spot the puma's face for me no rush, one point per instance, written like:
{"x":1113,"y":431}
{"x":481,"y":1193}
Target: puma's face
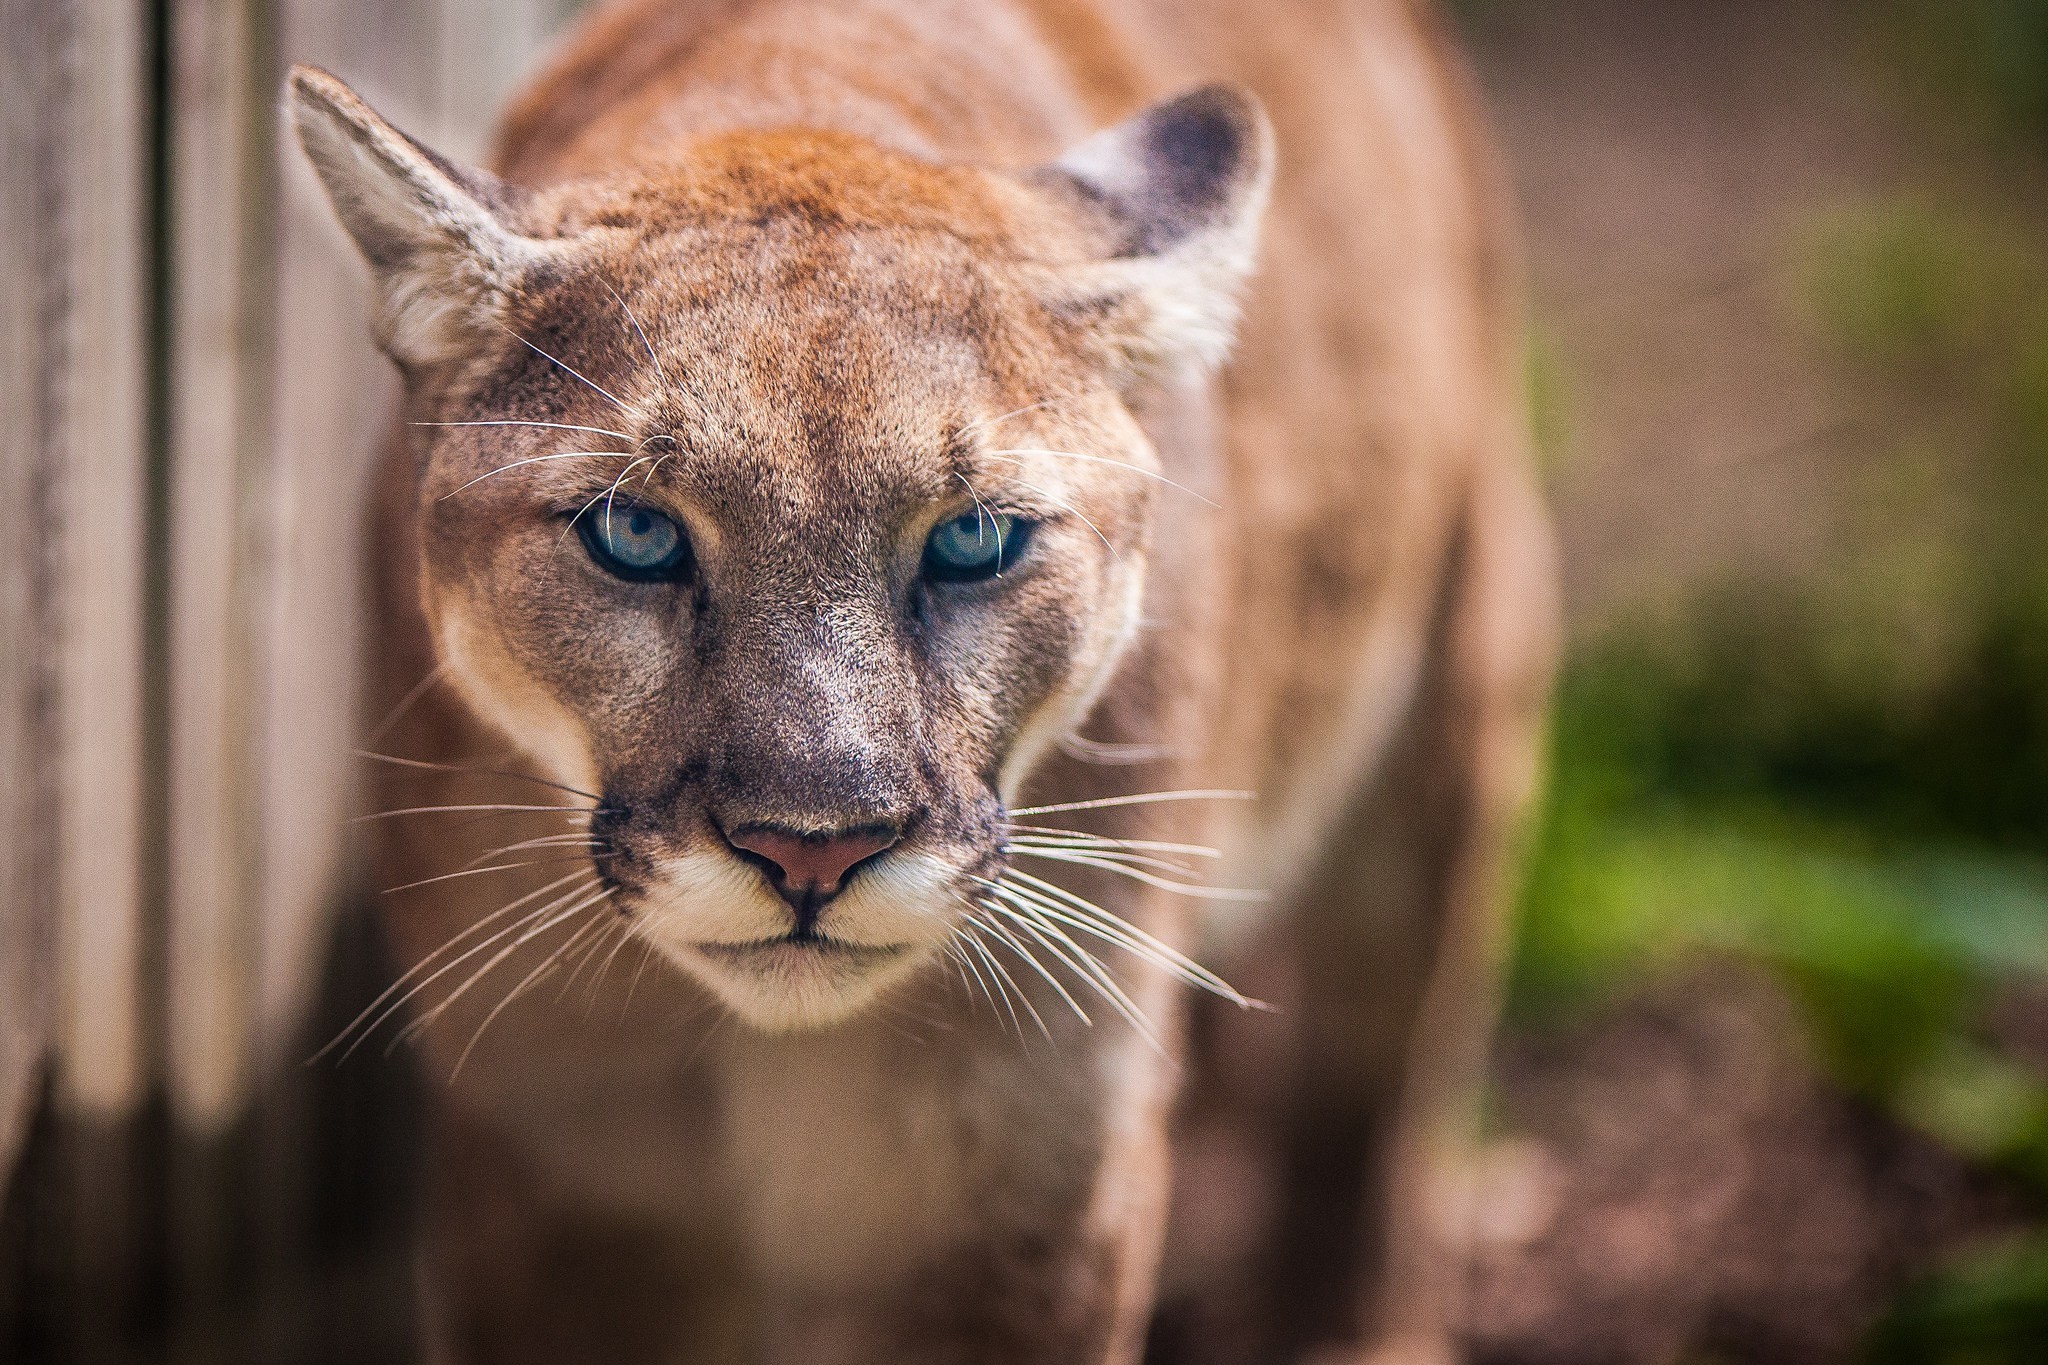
{"x":812,"y":609}
{"x":787,"y":500}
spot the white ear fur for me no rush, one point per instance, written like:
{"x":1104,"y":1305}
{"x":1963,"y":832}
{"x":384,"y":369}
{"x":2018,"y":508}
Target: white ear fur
{"x":436,"y":236}
{"x":1185,"y":184}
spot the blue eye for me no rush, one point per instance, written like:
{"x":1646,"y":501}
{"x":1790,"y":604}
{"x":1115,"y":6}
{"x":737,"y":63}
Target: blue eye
{"x":636,"y":543}
{"x":977,"y":545}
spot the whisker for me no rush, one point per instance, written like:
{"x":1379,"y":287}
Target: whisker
{"x":426,"y":1020}
{"x":1047,"y":834}
{"x":981,"y":422}
{"x":408,"y":701}
{"x":1104,"y":459}
{"x":1015,"y":945}
{"x":565,"y":840}
{"x":633,"y":986}
{"x":1106,"y":925}
{"x":1114,"y":851}
{"x":539,"y":459}
{"x":465,"y":769}
{"x":1138,"y":874}
{"x":597,"y":942}
{"x":1058,"y":501}
{"x":962,"y":965}
{"x":958,"y":947}
{"x":1139,"y":799}
{"x":1008,"y":982}
{"x":1031,"y":848}
{"x":568,"y":367}
{"x":625,"y":937}
{"x":987,"y":517}
{"x":1090,"y":967}
{"x":515,"y":422}
{"x":493,"y":809}
{"x":479,"y":871}
{"x":635,"y":322}
{"x":547,"y":965}
{"x":427,"y":962}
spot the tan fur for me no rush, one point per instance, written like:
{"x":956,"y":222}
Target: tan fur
{"x":833,"y":273}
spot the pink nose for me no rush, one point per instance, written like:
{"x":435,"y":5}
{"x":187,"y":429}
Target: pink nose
{"x":811,"y":866}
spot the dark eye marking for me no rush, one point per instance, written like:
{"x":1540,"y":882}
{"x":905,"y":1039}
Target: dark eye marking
{"x":636,"y":543}
{"x":974,"y":546}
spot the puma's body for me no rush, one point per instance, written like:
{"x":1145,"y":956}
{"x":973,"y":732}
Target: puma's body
{"x":629,"y":1165}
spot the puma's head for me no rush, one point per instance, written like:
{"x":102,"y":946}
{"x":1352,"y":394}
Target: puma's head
{"x":786,"y":494}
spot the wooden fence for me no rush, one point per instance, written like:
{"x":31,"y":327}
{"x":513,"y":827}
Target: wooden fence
{"x":187,"y":408}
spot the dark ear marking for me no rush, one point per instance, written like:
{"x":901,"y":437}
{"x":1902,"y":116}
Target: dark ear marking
{"x":1174,"y":169}
{"x":1181,"y":189}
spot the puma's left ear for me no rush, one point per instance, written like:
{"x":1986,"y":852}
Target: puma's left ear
{"x":1184,"y":185}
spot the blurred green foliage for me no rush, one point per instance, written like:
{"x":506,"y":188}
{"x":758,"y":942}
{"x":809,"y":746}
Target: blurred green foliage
{"x":1845,"y":780}
{"x":1986,"y":58}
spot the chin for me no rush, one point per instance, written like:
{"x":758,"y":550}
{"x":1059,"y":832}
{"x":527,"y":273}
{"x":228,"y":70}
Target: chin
{"x":797,"y":986}
{"x":718,"y":922}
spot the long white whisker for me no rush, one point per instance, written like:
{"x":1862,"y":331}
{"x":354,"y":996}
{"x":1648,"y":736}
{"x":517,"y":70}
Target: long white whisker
{"x":408,"y":701}
{"x":596,"y":945}
{"x":633,"y":986}
{"x":426,"y":1021}
{"x":1137,"y":799}
{"x":514,"y":422}
{"x":1057,"y":501}
{"x":959,"y":944}
{"x":567,"y":366}
{"x":625,"y":937}
{"x":478,"y":872}
{"x":1138,"y":874}
{"x":641,"y":333}
{"x":982,"y":422}
{"x":492,"y":809}
{"x":1070,"y":908}
{"x":466,"y":770}
{"x":427,"y":962}
{"x":1030,"y":959}
{"x":540,"y":459}
{"x":987,"y":517}
{"x":1009,"y":983}
{"x":1103,"y":459}
{"x":1056,"y":855}
{"x":547,"y":965}
{"x":1026,"y":915}
{"x":1047,"y":837}
{"x":963,"y":964}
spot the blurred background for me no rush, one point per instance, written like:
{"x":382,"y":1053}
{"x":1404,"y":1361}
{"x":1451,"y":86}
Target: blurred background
{"x":1773,"y":1085}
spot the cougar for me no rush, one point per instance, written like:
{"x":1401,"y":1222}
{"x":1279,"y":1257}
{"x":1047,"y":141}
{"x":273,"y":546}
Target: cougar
{"x":935,"y":811}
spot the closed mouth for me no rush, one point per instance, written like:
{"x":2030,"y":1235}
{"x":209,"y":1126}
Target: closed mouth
{"x":799,"y":942}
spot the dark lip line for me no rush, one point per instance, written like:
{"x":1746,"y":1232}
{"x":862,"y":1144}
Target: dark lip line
{"x":815,"y":942}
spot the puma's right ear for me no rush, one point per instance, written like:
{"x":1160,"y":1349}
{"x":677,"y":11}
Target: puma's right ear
{"x":439,"y":239}
{"x":1184,"y":185}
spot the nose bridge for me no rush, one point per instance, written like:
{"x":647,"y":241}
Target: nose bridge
{"x":820,"y":724}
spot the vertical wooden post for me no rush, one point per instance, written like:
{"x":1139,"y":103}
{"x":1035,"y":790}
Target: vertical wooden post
{"x":99,"y":477}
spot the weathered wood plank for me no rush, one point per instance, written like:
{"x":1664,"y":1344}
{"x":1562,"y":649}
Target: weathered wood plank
{"x":101,"y":477}
{"x":28,"y":222}
{"x":218,"y":522}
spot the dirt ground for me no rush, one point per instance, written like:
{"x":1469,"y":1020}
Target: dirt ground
{"x":1680,"y":1184}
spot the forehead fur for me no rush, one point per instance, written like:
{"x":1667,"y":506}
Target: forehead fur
{"x":828,"y":180}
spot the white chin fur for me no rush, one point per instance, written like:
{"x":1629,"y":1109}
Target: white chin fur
{"x":713,"y":916}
